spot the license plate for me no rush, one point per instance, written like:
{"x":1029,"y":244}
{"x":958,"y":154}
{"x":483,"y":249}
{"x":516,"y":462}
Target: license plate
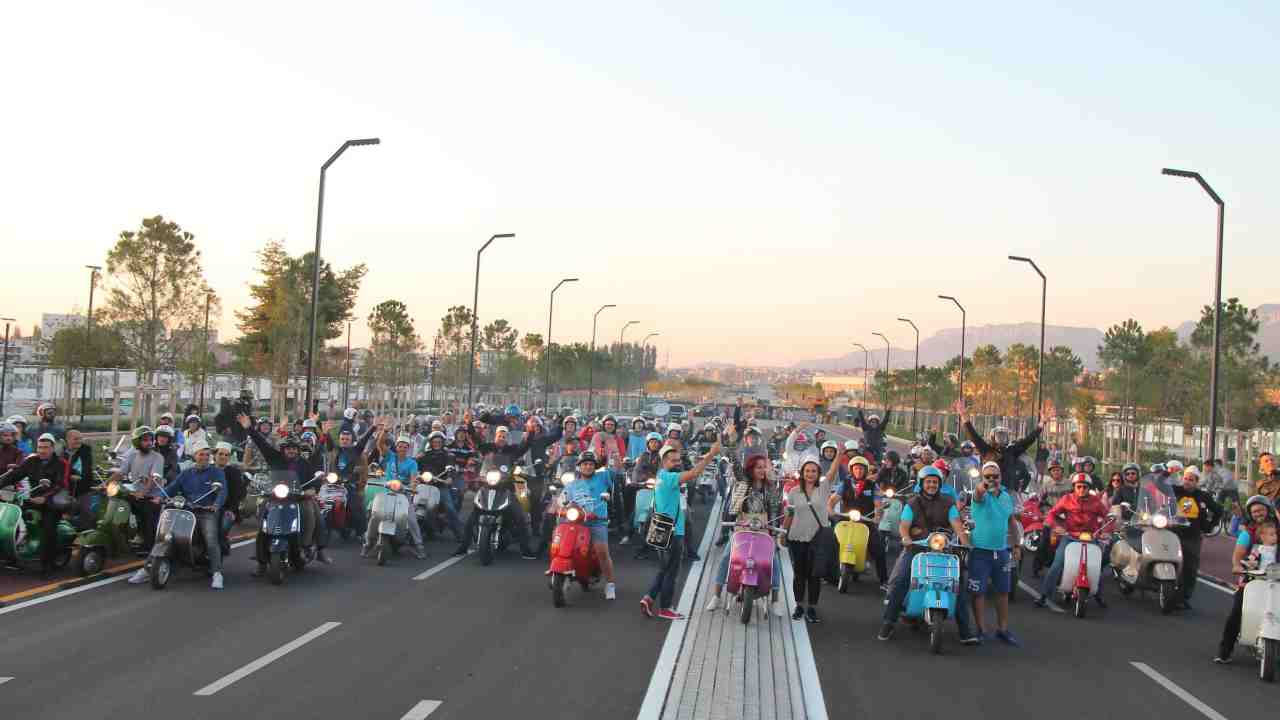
{"x":387,"y":527}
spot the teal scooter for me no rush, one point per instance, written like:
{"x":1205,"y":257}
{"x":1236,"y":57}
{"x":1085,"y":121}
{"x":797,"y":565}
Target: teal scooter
{"x":20,"y":535}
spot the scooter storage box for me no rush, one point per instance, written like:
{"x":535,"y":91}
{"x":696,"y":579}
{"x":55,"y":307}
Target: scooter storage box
{"x":935,"y":580}
{"x":852,"y":538}
{"x":1071,"y":566}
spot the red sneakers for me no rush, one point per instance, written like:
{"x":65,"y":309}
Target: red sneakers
{"x":667,"y":614}
{"x":646,"y":606}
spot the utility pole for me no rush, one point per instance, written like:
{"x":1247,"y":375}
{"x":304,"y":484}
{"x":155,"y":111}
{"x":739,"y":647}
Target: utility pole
{"x":88,"y":338}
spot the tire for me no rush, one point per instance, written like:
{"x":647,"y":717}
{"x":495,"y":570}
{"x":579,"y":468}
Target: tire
{"x":63,"y":558}
{"x":935,"y":631}
{"x":748,"y":603}
{"x":486,"y":546}
{"x":1267,"y":666}
{"x":275,"y":568}
{"x":558,"y":583}
{"x":1126,"y":589}
{"x":382,"y":553}
{"x":842,"y":585}
{"x":1168,"y":597}
{"x":90,"y":561}
{"x":161,"y":570}
{"x":1082,"y":603}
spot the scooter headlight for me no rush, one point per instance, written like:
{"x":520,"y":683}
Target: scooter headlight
{"x":331,"y":478}
{"x":855,"y":516}
{"x":493,"y":477}
{"x":566,"y":478}
{"x":1160,"y":520}
{"x":1086,"y":537}
{"x":113,"y":488}
{"x":572,"y":514}
{"x":394,"y":486}
{"x":937,"y":542}
{"x":281,"y":491}
{"x":427,"y":477}
{"x":888,"y":492}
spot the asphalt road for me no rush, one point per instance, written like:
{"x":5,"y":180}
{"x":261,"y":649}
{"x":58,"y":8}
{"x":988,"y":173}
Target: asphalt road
{"x":371,"y":642}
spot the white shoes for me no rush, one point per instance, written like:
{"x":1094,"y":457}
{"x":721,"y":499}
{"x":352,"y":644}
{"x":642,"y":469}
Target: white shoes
{"x":714,"y":605}
{"x":217,"y":581}
{"x":610,"y":592}
{"x":778,"y":609}
{"x":138,"y":577}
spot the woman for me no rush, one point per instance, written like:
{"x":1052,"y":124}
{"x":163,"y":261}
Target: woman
{"x":193,"y":434}
{"x":806,"y":516}
{"x":762,"y":500}
{"x":1256,"y":510}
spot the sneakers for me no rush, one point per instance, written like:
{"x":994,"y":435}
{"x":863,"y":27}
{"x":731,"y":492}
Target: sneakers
{"x":459,"y":552}
{"x":1222,"y":659}
{"x":1007,"y":638}
{"x":325,"y":559}
{"x":646,"y":606}
{"x":610,"y":592}
{"x":1042,"y":602}
{"x":811,"y":616}
{"x":886,"y":631}
{"x":138,"y":577}
{"x":626,"y":540}
{"x":419,"y":552}
{"x":971,"y":640}
{"x":798,"y":613}
{"x":714,"y":605}
{"x":217,"y":581}
{"x":779,"y":609}
{"x":528,"y":555}
{"x":668,"y":614}
{"x":364,"y":551}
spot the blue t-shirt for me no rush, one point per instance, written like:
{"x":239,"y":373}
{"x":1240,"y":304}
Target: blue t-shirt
{"x":991,"y":516}
{"x":586,"y":493}
{"x":908,"y":514}
{"x":1243,"y":539}
{"x":666,"y":497}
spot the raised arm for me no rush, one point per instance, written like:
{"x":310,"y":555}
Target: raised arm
{"x":696,"y":470}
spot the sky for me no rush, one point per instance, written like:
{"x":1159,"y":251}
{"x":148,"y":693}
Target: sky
{"x":761,"y":183}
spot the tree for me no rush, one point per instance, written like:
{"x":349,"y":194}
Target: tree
{"x":1061,"y":368}
{"x":1242,"y":366}
{"x":455,"y":336}
{"x":392,"y":360}
{"x":1023,"y":362}
{"x":1125,"y":349}
{"x":79,"y":347}
{"x":155,"y":283}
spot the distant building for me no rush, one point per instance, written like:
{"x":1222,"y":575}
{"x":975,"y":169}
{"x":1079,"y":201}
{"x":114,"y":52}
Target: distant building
{"x":51,"y":323}
{"x":834,"y":384}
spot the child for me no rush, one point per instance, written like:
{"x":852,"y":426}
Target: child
{"x":1264,"y":553}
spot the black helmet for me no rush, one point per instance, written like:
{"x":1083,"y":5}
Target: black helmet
{"x":586,"y":456}
{"x":366,"y":414}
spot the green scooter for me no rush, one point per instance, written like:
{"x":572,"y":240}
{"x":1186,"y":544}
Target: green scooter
{"x":111,"y":532}
{"x":20,"y":533}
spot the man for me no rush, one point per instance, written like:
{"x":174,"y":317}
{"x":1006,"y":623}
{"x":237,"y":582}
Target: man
{"x":288,"y":459}
{"x":998,"y":448}
{"x":927,"y":512}
{"x":434,"y":460}
{"x":79,"y":458}
{"x":207,"y":484}
{"x":1202,"y":513}
{"x":346,"y":463}
{"x":1055,"y":485}
{"x":873,"y":430}
{"x":647,"y":465}
{"x":589,"y":484}
{"x":667,"y":500}
{"x":25,"y":444}
{"x":514,"y":515}
{"x":1268,"y":479}
{"x":140,"y":466}
{"x":1083,"y":512}
{"x":991,"y":561}
{"x":237,"y":484}
{"x":48,"y":475}
{"x":398,"y":466}
{"x":46,"y":422}
{"x":10,"y":455}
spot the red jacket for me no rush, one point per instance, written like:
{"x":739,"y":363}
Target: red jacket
{"x":1082,"y":514}
{"x":597,"y":446}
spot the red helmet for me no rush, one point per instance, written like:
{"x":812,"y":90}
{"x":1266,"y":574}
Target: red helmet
{"x":942,"y":465}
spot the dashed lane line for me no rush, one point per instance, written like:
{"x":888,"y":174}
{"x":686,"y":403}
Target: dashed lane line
{"x":265,"y":660}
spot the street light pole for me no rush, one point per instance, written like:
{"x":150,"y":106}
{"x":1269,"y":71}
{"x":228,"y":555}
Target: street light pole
{"x":551,"y":308}
{"x":1044,"y":292}
{"x":962,"y":329}
{"x":621,"y":335}
{"x":4,"y":367}
{"x":886,"y":369}
{"x":1217,"y":307}
{"x":915,"y":374}
{"x":88,"y":338}
{"x":475,"y":320}
{"x":346,"y":384}
{"x":866,"y":363}
{"x":591,"y":361}
{"x":642,"y":349}
{"x":315,"y":276}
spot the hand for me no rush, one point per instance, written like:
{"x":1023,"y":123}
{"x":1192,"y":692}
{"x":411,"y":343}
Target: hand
{"x":315,"y":416}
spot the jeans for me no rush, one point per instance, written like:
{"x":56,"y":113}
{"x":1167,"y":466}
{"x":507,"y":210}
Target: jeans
{"x":628,"y":508}
{"x":148,"y":514}
{"x":1191,"y":543}
{"x":722,"y":574}
{"x":900,"y":583}
{"x":804,"y":585}
{"x":355,"y":509}
{"x":663,"y":588}
{"x":311,"y":520}
{"x":451,"y":514}
{"x":1053,"y":578}
{"x":211,"y":529}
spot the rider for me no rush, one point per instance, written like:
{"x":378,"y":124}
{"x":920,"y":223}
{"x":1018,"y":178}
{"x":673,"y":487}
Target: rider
{"x":193,"y":430}
{"x":196,"y":482}
{"x":1081,"y":511}
{"x":998,"y":448}
{"x":667,"y":500}
{"x":647,"y":465}
{"x":513,"y":514}
{"x":1202,"y":513}
{"x":927,"y":512}
{"x":990,"y":562}
{"x":589,"y":483}
{"x":288,"y":458}
{"x":398,"y":466}
{"x":434,"y":459}
{"x":873,"y":430}
{"x":47,"y":422}
{"x":1055,"y":485}
{"x":346,"y":463}
{"x":48,"y":475}
{"x":10,"y":455}
{"x":827,"y":455}
{"x":859,"y":493}
{"x":139,"y":466}
{"x":24,"y":441}
{"x":637,"y":439}
{"x":236,"y":486}
{"x":1257,"y":510}
{"x":752,"y":445}
{"x":166,"y":448}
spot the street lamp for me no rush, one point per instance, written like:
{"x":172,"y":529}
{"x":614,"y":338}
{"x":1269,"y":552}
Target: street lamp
{"x":88,"y":335}
{"x":886,"y":368}
{"x":346,"y":385}
{"x":546,"y":385}
{"x":915,"y":374}
{"x":642,"y":348}
{"x":962,"y":329}
{"x":621,"y":354}
{"x":315,"y":277}
{"x":204,"y":353}
{"x":4,"y":368}
{"x":866,"y":363}
{"x":1044,"y":291}
{"x":1217,"y":307}
{"x":591,"y":360}
{"x":475,"y":301}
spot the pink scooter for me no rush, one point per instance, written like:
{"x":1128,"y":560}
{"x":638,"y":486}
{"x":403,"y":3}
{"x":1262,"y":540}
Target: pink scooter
{"x":751,"y":566}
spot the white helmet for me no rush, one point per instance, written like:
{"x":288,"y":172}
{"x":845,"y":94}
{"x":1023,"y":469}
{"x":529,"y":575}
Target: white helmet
{"x":349,"y":414}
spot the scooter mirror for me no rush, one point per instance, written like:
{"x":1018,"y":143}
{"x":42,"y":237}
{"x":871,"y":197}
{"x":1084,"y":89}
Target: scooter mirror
{"x":216,"y":486}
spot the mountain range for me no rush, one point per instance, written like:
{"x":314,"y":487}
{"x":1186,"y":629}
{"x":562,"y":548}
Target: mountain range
{"x":1083,"y":341}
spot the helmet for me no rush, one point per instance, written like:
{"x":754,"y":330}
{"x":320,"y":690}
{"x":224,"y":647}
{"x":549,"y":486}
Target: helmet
{"x":42,"y":407}
{"x":1081,"y":479}
{"x":349,"y":414}
{"x":189,"y":418}
{"x":1054,"y":464}
{"x":1258,"y":499}
{"x":568,"y":419}
{"x":586,"y":456}
{"x":914,"y":452}
{"x":436,"y":435}
{"x":166,"y":416}
{"x":673,"y":430}
{"x":1157,"y":468}
{"x":164,"y":430}
{"x":367,"y":414}
{"x":967,"y":447}
{"x":873,"y":419}
{"x":828,"y":445}
{"x":1089,"y":460}
{"x":16,"y":419}
{"x":893,"y":457}
{"x":651,"y":437}
{"x":999,"y":436}
{"x":289,"y":440}
{"x":637,"y":421}
{"x":926,"y":453}
{"x":308,"y":439}
{"x":850,"y":446}
{"x":7,"y":428}
{"x":927,"y":471}
{"x":1173,"y":466}
{"x":308,"y":423}
{"x":801,"y":441}
{"x":942,"y":465}
{"x":608,"y":418}
{"x":140,"y":432}
{"x":859,"y":460}
{"x":513,"y":409}
{"x":1131,"y":466}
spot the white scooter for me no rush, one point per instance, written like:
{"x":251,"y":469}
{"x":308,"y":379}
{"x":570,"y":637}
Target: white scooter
{"x":1082,"y":568}
{"x":1149,"y":555}
{"x":391,"y":512}
{"x":1260,"y":618}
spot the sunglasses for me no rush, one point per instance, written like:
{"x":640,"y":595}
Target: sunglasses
{"x":990,"y":477}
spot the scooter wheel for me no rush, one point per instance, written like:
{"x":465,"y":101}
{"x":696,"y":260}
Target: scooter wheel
{"x":1082,"y":603}
{"x":558,"y":582}
{"x":1267,"y":659}
{"x":275,"y":569}
{"x":1168,"y":597}
{"x":935,"y":631}
{"x":486,"y":546}
{"x":62,"y":559}
{"x":90,"y":562}
{"x":842,"y":585}
{"x":748,"y":603}
{"x":382,"y":553}
{"x":161,"y":569}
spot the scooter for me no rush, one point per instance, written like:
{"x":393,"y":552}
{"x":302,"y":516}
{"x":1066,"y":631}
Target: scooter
{"x":428,"y":494}
{"x":332,"y":499}
{"x":853,"y":535}
{"x":1260,"y":618}
{"x":572,"y":558}
{"x":751,"y":560}
{"x":1148,"y":555}
{"x":111,"y":532}
{"x":1082,"y":568}
{"x":935,"y":584}
{"x":19,"y":531}
{"x":1034,"y":533}
{"x":282,"y":525}
{"x":177,"y":541}
{"x":492,"y":534}
{"x":390,"y":510}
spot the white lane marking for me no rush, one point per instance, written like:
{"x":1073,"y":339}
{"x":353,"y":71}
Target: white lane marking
{"x":440,"y":567}
{"x":1216,"y":586}
{"x":76,"y":590}
{"x":815,"y":705}
{"x":1183,"y":695}
{"x":266,"y":660}
{"x":663,"y":671}
{"x":421,"y":710}
{"x":1036,"y":594}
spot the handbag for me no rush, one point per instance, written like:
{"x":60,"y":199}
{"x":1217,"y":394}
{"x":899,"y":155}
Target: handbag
{"x":822,"y":548}
{"x":662,"y":528}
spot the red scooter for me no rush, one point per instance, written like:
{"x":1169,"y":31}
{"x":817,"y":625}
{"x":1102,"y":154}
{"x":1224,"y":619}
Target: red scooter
{"x":572,"y":557}
{"x":1036,"y":538}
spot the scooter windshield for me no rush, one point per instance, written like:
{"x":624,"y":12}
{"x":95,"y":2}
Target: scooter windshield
{"x":1157,"y":506}
{"x":965,"y":474}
